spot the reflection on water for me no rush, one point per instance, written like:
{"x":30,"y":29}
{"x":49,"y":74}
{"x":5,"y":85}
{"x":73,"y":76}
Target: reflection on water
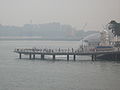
{"x":47,"y":74}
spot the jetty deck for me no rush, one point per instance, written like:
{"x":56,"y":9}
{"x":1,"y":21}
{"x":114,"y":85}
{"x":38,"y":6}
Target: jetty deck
{"x":33,"y":52}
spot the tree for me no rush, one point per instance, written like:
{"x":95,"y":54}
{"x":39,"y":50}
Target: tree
{"x":115,"y":27}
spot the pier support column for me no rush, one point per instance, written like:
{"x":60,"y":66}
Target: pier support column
{"x":20,"y":55}
{"x":30,"y":56}
{"x":42,"y":56}
{"x":116,"y":56}
{"x":53,"y":57}
{"x":95,"y":57}
{"x":92,"y":57}
{"x":67,"y":57}
{"x":33,"y":56}
{"x":74,"y":57}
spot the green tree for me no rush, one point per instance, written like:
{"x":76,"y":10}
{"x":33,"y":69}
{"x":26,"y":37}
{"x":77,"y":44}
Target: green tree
{"x":115,"y":27}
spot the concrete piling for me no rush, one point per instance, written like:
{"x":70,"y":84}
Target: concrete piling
{"x":33,"y":56}
{"x":30,"y":56}
{"x":42,"y":56}
{"x":74,"y":57}
{"x":20,"y":55}
{"x":67,"y":57}
{"x":53,"y":57}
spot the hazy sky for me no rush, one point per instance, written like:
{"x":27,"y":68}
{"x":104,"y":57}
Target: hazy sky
{"x":74,"y":12}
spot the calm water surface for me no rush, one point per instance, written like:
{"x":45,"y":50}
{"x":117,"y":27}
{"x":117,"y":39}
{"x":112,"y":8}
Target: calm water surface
{"x":82,"y":74}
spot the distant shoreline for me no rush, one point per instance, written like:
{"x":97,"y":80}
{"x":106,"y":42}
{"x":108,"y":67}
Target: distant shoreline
{"x":39,"y":38}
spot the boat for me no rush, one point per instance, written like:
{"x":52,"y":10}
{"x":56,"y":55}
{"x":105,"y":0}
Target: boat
{"x":104,"y":48}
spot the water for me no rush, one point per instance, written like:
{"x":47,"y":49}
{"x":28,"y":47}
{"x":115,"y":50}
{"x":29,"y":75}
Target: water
{"x":82,"y":74}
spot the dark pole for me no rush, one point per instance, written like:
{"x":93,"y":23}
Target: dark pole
{"x":20,"y":55}
{"x":67,"y":57}
{"x":95,"y":57}
{"x":74,"y":57}
{"x":33,"y":56}
{"x":116,"y":56}
{"x":92,"y":57}
{"x":30,"y":56}
{"x":53,"y":57}
{"x":42,"y":56}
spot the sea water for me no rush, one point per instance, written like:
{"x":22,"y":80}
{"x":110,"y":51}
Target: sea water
{"x":82,"y":74}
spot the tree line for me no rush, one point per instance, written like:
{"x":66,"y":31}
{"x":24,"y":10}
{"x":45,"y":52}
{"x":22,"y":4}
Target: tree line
{"x":115,"y":27}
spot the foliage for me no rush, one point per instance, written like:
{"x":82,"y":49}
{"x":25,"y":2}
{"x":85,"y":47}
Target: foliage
{"x":115,"y":27}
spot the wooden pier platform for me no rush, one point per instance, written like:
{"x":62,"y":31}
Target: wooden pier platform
{"x":94,"y":54}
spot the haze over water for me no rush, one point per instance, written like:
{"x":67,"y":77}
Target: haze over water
{"x":83,"y":74}
{"x":74,"y":15}
{"x":77,"y":13}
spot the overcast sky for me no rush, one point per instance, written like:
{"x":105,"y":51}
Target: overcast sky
{"x":94,"y":13}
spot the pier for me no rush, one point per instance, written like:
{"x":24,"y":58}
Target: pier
{"x":67,"y":52}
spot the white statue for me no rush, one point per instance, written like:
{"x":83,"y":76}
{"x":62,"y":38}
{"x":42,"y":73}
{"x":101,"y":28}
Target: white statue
{"x":104,"y":39}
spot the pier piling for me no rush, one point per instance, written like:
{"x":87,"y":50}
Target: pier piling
{"x":30,"y":56}
{"x":20,"y":55}
{"x":53,"y":57}
{"x":67,"y":57}
{"x":74,"y":57}
{"x":42,"y":56}
{"x":33,"y":56}
{"x":92,"y":57}
{"x":95,"y":57}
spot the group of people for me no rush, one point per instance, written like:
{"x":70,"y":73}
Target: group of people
{"x":46,"y":50}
